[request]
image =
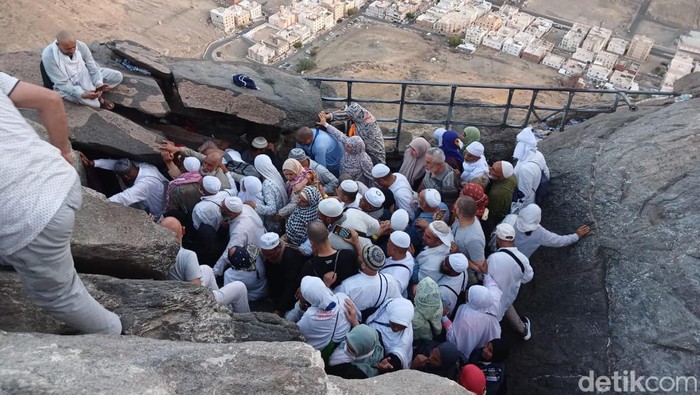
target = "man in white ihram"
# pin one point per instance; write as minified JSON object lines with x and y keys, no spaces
{"x":41,"y":193}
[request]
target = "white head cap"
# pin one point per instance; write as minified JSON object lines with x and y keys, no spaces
{"x":234,"y":203}
{"x":400,"y":239}
{"x":506,"y":168}
{"x":331,"y":207}
{"x":259,"y":142}
{"x":269,"y":240}
{"x":432,"y":197}
{"x":191,"y":163}
{"x":211,"y":184}
{"x":349,"y":186}
{"x":399,"y":220}
{"x":476,"y":148}
{"x":442,"y":231}
{"x":375,"y":197}
{"x":458,"y":262}
{"x":380,"y":170}
{"x":505,"y":232}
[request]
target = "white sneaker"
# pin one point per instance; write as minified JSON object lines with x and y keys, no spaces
{"x":528,"y":334}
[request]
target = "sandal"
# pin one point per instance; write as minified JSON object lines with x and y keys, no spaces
{"x":106,"y":104}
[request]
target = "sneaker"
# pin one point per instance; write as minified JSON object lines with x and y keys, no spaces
{"x":528,"y":334}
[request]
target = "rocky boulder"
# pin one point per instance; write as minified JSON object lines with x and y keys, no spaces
{"x":624,"y":298}
{"x":141,"y":93}
{"x":127,"y":365}
{"x":689,"y":84}
{"x":116,"y":240}
{"x":155,"y":309}
{"x":282,"y":101}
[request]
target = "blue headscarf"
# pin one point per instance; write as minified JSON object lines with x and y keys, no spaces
{"x":450,"y":146}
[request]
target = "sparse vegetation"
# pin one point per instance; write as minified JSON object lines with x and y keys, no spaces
{"x":352,"y":11}
{"x":305,"y":64}
{"x":297,"y":45}
{"x":313,"y":52}
{"x":410,"y":16}
{"x":454,"y":41}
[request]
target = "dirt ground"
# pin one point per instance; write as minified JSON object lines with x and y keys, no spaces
{"x":614,"y":14}
{"x":384,"y":52}
{"x":680,"y":13}
{"x":173,"y":27}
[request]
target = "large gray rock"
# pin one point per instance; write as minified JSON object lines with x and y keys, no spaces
{"x":141,"y":56}
{"x":116,"y":240}
{"x":48,"y":364}
{"x":156,"y":309}
{"x":688,"y":84}
{"x":624,"y":298}
{"x":141,"y":93}
{"x":283,"y":101}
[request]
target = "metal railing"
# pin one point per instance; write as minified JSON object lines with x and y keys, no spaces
{"x":534,"y":109}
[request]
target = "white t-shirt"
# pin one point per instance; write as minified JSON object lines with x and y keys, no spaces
{"x":369,"y":291}
{"x":35,"y":178}
{"x":401,"y":271}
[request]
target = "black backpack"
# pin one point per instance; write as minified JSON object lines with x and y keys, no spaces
{"x":48,"y":84}
{"x":245,"y":169}
{"x":543,"y":188}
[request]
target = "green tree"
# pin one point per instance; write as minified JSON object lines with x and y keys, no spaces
{"x":410,"y":16}
{"x":352,"y":11}
{"x":305,"y":64}
{"x":314,"y":51}
{"x":454,"y":41}
{"x":297,"y":44}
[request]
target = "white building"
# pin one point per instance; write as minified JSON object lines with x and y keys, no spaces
{"x":252,"y":7}
{"x":377,"y":8}
{"x":680,"y":66}
{"x":452,"y":23}
{"x":617,"y":46}
{"x":598,"y":73}
{"x":474,"y":35}
{"x":622,"y":80}
{"x":537,"y":50}
{"x":520,"y":21}
{"x":495,"y":40}
{"x":516,"y":45}
{"x":224,"y":18}
{"x":261,"y":53}
{"x":690,"y":44}
{"x":574,"y":37}
{"x":554,"y":61}
{"x":606,"y":59}
{"x":572,"y":67}
{"x":539,"y":27}
{"x":639,"y":48}
{"x":596,"y":39}
{"x":583,"y":55}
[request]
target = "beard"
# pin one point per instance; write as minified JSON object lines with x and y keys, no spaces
{"x":205,"y":173}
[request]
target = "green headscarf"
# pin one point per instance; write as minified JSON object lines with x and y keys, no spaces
{"x":428,"y":310}
{"x":363,"y":340}
{"x":471,"y":134}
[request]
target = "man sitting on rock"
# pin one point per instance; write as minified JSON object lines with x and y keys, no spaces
{"x":187,"y":269}
{"x":145,"y":185}
{"x":75,"y":75}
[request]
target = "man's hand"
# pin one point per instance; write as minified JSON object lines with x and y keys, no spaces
{"x":419,"y":361}
{"x":354,"y":238}
{"x":351,"y":313}
{"x":421,"y":223}
{"x":85,"y":161}
{"x":479,"y":267}
{"x":322,"y":119}
{"x":385,"y":228}
{"x":166,"y":156}
{"x":453,"y":248}
{"x":170,"y":147}
{"x":223,"y":167}
{"x":329,"y":278}
{"x":102,"y":88}
{"x":250,"y":203}
{"x":91,"y":95}
{"x":582,"y":231}
{"x":385,"y":365}
{"x":68,"y":156}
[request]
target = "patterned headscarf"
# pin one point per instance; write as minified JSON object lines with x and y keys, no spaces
{"x":428,"y":307}
{"x":244,"y":257}
{"x":300,"y":172}
{"x":476,"y":192}
{"x":301,"y":216}
{"x":367,"y":128}
{"x":356,"y":163}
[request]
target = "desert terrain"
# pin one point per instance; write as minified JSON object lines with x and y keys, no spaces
{"x":616,"y":15}
{"x":173,"y":27}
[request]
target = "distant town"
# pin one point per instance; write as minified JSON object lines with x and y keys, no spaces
{"x":590,"y":55}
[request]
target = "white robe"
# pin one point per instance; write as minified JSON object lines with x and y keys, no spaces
{"x":472,"y":329}
{"x":369,"y":291}
{"x":400,"y":270}
{"x":430,"y":260}
{"x":508,"y":275}
{"x":399,"y":311}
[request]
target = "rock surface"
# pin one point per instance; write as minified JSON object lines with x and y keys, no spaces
{"x":141,"y":93}
{"x":141,"y":56}
{"x":116,"y":240}
{"x":625,"y":297}
{"x":688,"y":84}
{"x":283,"y":101}
{"x":127,"y":365}
{"x":155,"y":309}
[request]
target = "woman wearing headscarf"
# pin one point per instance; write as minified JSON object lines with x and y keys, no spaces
{"x":274,"y":193}
{"x":393,"y":321}
{"x":451,"y":146}
{"x":356,"y":163}
{"x":441,"y":359}
{"x":305,"y":211}
{"x":530,"y":235}
{"x":358,"y":356}
{"x":476,"y":192}
{"x":475,"y":324}
{"x":298,"y":178}
{"x":251,"y":190}
{"x":413,"y":166}
{"x":324,"y":323}
{"x":366,"y":127}
{"x":471,"y":134}
{"x":428,"y":310}
{"x":437,"y":135}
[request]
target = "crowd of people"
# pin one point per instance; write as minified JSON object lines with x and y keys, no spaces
{"x":381,"y":270}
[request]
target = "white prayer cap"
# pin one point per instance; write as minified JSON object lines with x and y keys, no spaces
{"x":432,"y":197}
{"x":191,"y":163}
{"x":380,"y":170}
{"x":269,"y":240}
{"x":476,"y":148}
{"x":505,"y":232}
{"x":331,"y":207}
{"x":400,"y":239}
{"x":442,"y":231}
{"x":211,"y":184}
{"x":234,"y":203}
{"x":375,"y":197}
{"x":458,"y":262}
{"x":349,"y":186}
{"x":259,"y":142}
{"x":399,"y":219}
{"x":479,"y":298}
{"x":507,"y":169}
{"x":529,"y":218}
